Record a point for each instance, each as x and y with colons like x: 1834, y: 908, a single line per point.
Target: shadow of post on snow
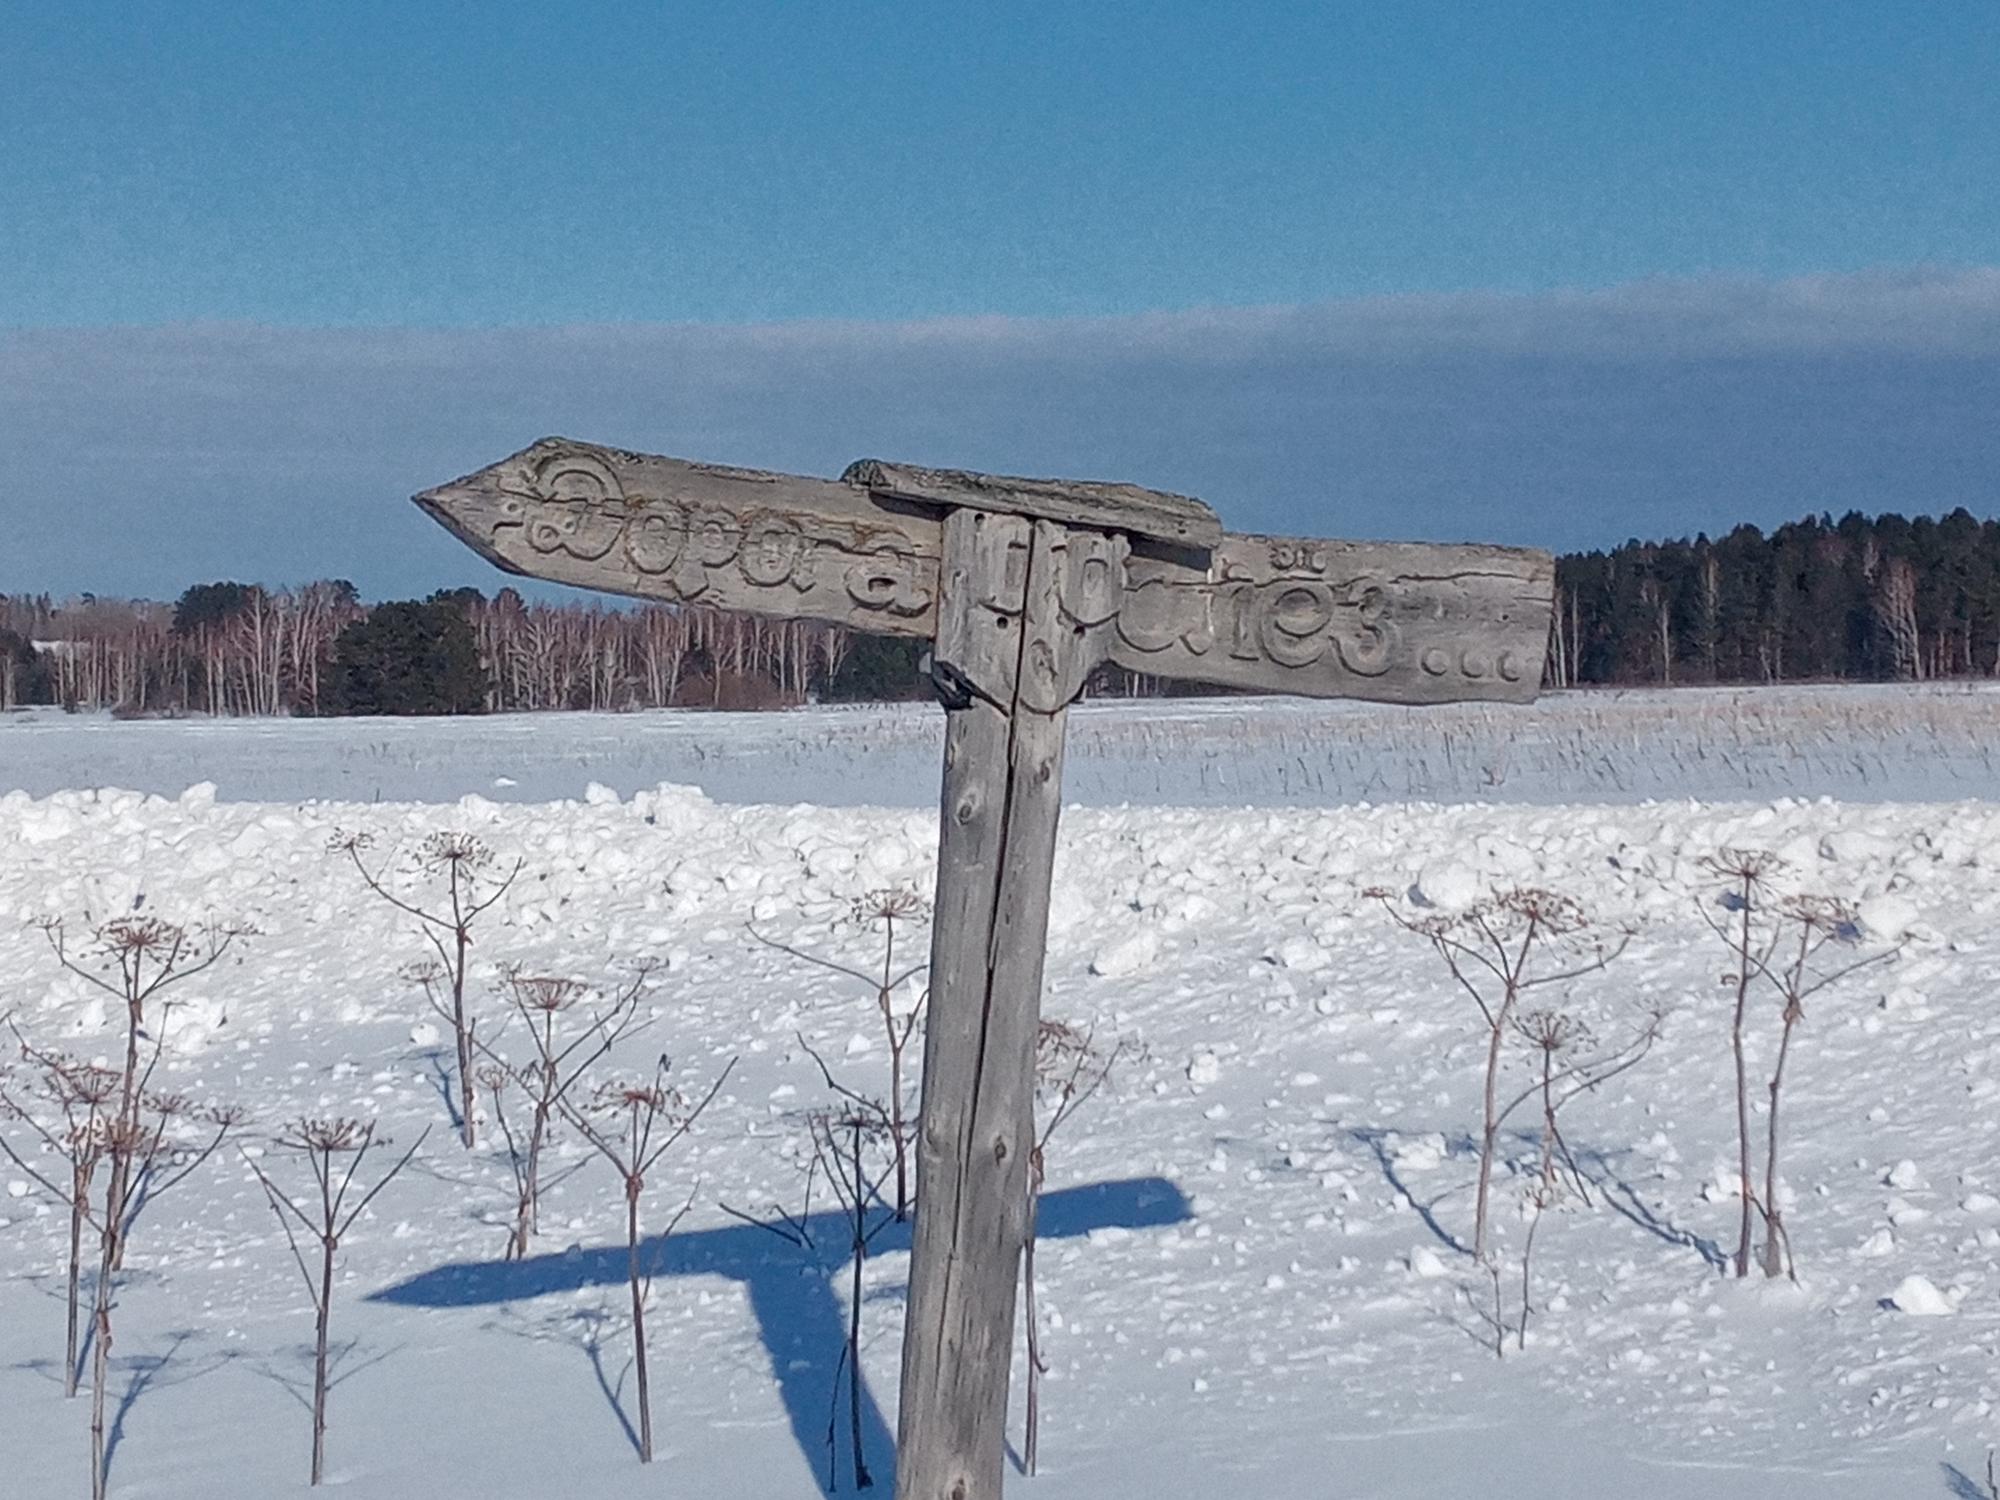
x: 791, y: 1290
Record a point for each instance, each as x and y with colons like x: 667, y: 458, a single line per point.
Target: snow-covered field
x: 1254, y: 1278
x: 1869, y: 743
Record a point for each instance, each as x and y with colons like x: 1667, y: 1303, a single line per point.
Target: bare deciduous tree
x: 461, y: 863
x: 632, y: 1126
x: 325, y: 1221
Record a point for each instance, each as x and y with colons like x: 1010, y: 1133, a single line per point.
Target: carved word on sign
x: 568, y: 513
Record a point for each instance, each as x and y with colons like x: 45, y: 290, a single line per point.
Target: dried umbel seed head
x: 889, y: 904
x: 141, y: 937
x: 168, y: 1106
x: 423, y: 971
x: 460, y: 851
x: 86, y: 1083
x: 342, y: 841
x: 1552, y: 911
x: 646, y: 1098
x: 1059, y: 1047
x: 1553, y: 1031
x: 331, y: 1135
x: 544, y: 993
x: 868, y: 1118
x: 1749, y: 867
x: 126, y: 1137
x: 492, y: 1077
x: 1825, y: 914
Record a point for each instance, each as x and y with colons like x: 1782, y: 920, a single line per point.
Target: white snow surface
x: 1258, y: 1280
x: 1871, y: 743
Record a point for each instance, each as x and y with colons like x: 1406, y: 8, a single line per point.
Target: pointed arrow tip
x: 437, y: 502
x: 465, y: 508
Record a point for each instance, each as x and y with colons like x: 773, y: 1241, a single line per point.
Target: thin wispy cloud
x: 148, y: 458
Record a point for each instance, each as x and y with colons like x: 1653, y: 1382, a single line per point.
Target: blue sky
x: 1016, y: 201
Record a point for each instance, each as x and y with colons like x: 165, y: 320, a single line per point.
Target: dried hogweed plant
x: 66, y: 1107
x: 333, y: 1151
x: 137, y: 1141
x: 568, y: 1034
x: 1796, y: 945
x: 633, y: 1125
x: 1070, y: 1067
x: 1498, y: 951
x: 890, y: 911
x: 460, y: 871
x: 1568, y: 1059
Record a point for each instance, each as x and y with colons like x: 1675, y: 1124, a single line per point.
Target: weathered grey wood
x: 1124, y: 508
x: 687, y: 533
x: 1395, y: 622
x: 1015, y: 599
x: 1392, y: 622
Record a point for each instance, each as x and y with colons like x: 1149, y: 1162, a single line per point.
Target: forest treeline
x: 231, y: 648
x: 1859, y: 599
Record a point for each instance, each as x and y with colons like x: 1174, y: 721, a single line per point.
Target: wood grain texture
x: 1009, y: 586
x: 1097, y: 505
x: 1391, y: 622
x: 686, y: 533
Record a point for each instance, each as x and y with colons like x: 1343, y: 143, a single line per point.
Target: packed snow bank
x: 1308, y: 1325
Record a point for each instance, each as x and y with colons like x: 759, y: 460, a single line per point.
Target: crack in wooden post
x: 1025, y: 644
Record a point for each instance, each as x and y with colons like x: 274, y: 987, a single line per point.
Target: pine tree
x: 409, y: 658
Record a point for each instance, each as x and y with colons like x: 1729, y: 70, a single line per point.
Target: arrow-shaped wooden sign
x: 1024, y: 586
x: 1393, y: 622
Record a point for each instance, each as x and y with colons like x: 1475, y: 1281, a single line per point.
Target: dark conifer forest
x: 1859, y: 599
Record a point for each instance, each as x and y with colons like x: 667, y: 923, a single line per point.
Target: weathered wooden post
x: 1024, y: 586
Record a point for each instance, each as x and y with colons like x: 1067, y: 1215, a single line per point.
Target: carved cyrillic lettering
x: 1387, y: 621
x: 887, y: 578
x: 774, y: 550
x: 654, y: 541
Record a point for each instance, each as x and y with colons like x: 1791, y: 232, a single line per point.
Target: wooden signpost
x: 1024, y: 586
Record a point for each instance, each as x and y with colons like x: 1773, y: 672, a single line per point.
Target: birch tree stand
x: 1024, y: 586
